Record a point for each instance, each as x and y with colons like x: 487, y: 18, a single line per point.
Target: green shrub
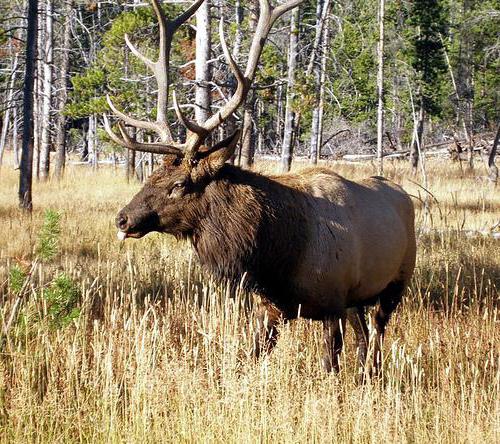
x: 48, y: 241
x: 62, y: 298
x: 17, y: 278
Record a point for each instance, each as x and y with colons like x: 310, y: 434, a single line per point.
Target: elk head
x: 171, y: 200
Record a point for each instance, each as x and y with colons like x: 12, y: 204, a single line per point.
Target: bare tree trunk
x: 92, y: 142
x: 248, y: 136
x: 15, y: 138
x: 203, y: 74
x: 317, y: 141
x: 247, y: 152
x: 46, y: 144
x: 26, y: 175
x: 416, y: 145
x: 63, y: 93
x: 493, y: 175
x: 465, y: 89
x: 36, y: 106
x: 380, y: 90
x: 315, y: 66
x: 238, y: 38
x: 10, y: 106
x: 287, y: 148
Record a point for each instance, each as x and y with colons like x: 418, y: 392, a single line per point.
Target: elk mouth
x: 136, y: 227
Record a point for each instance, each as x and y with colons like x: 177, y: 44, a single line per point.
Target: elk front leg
x: 266, y: 331
x: 333, y: 332
x: 389, y: 300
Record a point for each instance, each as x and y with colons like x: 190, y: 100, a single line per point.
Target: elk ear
x: 221, y: 152
x: 213, y: 159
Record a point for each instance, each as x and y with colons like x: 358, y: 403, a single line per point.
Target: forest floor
x: 133, y: 342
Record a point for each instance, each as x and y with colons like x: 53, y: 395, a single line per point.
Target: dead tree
x: 26, y: 176
x: 493, y: 169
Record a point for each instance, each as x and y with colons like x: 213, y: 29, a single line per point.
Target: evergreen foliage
x: 48, y: 241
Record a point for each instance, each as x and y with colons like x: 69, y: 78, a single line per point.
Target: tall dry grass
x: 160, y: 353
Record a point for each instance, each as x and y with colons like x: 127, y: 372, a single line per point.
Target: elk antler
x: 267, y: 17
x: 197, y: 133
x: 160, y: 69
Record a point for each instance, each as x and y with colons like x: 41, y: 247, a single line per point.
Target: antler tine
x: 127, y: 142
x: 241, y: 91
x: 188, y: 123
x: 143, y: 124
x: 148, y: 62
x: 187, y: 14
x: 267, y: 18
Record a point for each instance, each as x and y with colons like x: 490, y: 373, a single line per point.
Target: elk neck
x: 252, y: 226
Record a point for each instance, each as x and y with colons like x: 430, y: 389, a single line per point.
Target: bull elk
x: 311, y: 244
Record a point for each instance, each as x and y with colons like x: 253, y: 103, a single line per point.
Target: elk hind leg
x: 333, y: 341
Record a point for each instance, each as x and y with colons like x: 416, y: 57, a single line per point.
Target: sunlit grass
x: 161, y: 353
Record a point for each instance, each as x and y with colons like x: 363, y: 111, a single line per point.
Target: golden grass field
x: 160, y: 353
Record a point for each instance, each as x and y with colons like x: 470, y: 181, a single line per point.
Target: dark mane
x: 247, y: 232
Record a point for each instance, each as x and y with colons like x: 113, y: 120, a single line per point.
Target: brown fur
x: 311, y: 243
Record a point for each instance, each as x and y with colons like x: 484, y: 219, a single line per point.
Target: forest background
x: 315, y: 94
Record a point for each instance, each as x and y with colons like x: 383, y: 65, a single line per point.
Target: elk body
x: 310, y: 244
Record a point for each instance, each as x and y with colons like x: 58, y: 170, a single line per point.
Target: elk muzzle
x: 136, y: 223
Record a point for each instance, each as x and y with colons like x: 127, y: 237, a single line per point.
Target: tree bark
x: 10, y: 106
x: 92, y: 142
x: 493, y: 169
x: 416, y: 146
x: 247, y: 152
x: 63, y: 93
x: 287, y: 148
x: 380, y: 91
x: 46, y: 142
x: 315, y: 66
x: 203, y: 74
x: 15, y: 138
x: 248, y: 137
x: 26, y: 175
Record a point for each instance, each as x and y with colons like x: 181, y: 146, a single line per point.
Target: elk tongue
x: 121, y: 235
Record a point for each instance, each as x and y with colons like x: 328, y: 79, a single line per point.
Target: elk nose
x: 122, y: 221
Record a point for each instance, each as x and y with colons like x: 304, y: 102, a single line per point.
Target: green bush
x: 62, y: 298
x: 48, y: 241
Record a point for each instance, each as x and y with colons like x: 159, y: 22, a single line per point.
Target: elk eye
x: 177, y: 189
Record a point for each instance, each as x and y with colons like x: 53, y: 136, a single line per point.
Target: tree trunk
x: 493, y: 175
x: 380, y: 90
x: 36, y: 106
x: 46, y: 144
x: 15, y: 138
x: 26, y: 175
x: 203, y: 74
x: 416, y: 146
x: 287, y: 148
x: 248, y: 137
x: 63, y: 93
x: 318, y: 112
x: 316, y: 69
x: 465, y: 89
x: 92, y: 142
x: 238, y: 38
x: 247, y: 152
x: 10, y: 105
